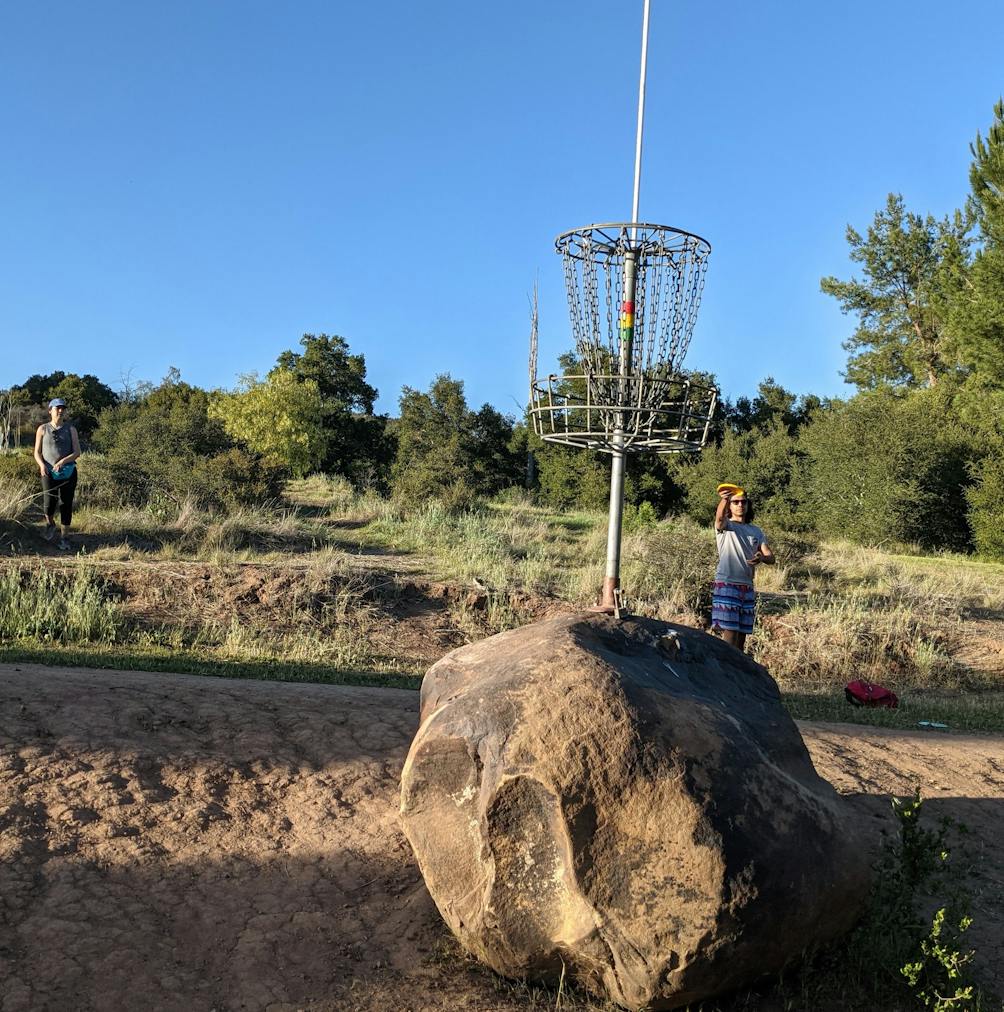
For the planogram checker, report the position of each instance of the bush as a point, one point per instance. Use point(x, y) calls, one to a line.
point(167, 447)
point(572, 479)
point(19, 466)
point(985, 499)
point(639, 518)
point(667, 570)
point(890, 468)
point(767, 462)
point(98, 485)
point(237, 478)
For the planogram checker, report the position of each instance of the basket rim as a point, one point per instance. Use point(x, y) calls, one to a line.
point(561, 241)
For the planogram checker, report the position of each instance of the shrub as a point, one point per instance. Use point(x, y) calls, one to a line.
point(667, 570)
point(98, 484)
point(889, 468)
point(237, 478)
point(640, 517)
point(767, 462)
point(166, 446)
point(19, 466)
point(985, 499)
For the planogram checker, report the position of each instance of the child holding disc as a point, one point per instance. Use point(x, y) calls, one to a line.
point(741, 548)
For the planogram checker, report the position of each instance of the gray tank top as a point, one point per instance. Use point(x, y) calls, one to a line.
point(56, 443)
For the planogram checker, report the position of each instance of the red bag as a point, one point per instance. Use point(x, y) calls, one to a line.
point(866, 694)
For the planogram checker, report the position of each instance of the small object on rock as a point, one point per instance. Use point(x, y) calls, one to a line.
point(579, 810)
point(932, 724)
point(669, 643)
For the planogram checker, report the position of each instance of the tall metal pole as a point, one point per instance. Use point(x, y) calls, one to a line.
point(641, 118)
point(611, 580)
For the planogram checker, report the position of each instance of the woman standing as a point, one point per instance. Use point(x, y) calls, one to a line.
point(57, 447)
point(741, 548)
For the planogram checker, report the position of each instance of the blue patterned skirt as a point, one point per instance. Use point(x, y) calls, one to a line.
point(733, 606)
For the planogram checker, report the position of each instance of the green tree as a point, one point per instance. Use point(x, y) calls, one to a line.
point(279, 417)
point(443, 446)
point(568, 477)
point(911, 272)
point(358, 444)
point(86, 396)
point(986, 503)
point(888, 468)
point(165, 445)
point(769, 464)
point(771, 403)
point(978, 309)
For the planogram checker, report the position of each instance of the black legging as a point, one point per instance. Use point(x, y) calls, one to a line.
point(60, 491)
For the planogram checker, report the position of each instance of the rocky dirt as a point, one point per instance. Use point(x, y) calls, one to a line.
point(183, 843)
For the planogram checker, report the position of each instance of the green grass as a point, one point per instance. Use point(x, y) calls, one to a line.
point(922, 625)
point(41, 604)
point(982, 711)
point(132, 658)
point(502, 548)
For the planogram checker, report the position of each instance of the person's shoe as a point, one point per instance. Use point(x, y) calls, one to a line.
point(64, 545)
point(50, 532)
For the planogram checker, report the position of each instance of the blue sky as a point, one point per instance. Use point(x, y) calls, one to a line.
point(197, 184)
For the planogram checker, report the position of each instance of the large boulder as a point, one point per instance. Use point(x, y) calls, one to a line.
point(627, 803)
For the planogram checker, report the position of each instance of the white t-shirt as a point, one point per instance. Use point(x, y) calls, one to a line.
point(736, 544)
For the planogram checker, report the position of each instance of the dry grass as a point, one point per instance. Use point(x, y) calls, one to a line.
point(503, 549)
point(844, 612)
point(829, 613)
point(666, 569)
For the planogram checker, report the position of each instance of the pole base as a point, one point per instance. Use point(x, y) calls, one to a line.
point(611, 602)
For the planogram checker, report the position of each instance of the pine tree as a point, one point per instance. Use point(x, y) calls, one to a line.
point(978, 313)
point(904, 298)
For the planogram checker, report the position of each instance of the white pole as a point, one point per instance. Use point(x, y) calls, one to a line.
point(610, 598)
point(641, 115)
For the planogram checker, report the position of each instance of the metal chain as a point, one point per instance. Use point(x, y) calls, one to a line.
point(670, 275)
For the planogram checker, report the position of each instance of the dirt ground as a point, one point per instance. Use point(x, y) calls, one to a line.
point(181, 843)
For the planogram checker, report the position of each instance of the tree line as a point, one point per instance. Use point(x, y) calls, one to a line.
point(915, 455)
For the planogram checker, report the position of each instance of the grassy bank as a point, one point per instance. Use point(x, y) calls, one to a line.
point(333, 585)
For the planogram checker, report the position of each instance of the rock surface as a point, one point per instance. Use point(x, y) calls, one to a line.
point(628, 803)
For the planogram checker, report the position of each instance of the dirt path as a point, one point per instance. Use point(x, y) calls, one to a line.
point(185, 843)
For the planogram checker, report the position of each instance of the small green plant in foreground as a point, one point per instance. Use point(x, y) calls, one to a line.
point(894, 947)
point(936, 978)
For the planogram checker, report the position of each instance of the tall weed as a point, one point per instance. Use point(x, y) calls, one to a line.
point(49, 605)
point(831, 639)
point(501, 549)
point(667, 569)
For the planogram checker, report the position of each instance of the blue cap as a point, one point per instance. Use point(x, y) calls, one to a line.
point(57, 402)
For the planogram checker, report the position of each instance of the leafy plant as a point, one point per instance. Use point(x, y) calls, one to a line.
point(894, 938)
point(937, 977)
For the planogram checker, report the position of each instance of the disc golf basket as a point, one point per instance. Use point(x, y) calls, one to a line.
point(633, 295)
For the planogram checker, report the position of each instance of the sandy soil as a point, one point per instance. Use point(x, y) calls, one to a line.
point(180, 843)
